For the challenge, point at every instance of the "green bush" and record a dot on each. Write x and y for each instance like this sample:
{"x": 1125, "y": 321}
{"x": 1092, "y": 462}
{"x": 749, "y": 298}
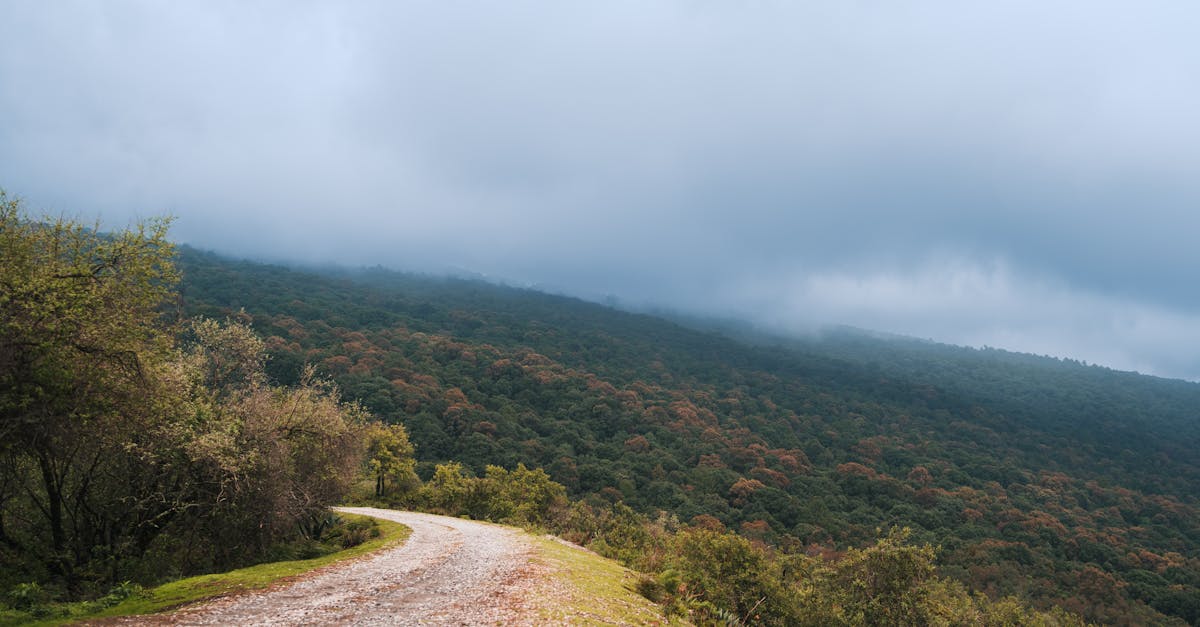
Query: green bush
{"x": 29, "y": 597}
{"x": 120, "y": 592}
{"x": 734, "y": 575}
{"x": 359, "y": 531}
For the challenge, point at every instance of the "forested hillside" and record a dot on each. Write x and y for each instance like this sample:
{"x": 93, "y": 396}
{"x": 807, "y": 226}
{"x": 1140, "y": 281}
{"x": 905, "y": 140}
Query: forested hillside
{"x": 1053, "y": 481}
{"x": 143, "y": 444}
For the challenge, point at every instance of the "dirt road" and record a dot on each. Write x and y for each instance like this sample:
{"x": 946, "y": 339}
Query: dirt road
{"x": 449, "y": 572}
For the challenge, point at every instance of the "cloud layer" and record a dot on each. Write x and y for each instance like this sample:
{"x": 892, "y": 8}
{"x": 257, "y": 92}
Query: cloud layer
{"x": 1016, "y": 174}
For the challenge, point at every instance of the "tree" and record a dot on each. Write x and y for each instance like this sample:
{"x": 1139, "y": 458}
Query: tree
{"x": 229, "y": 356}
{"x": 734, "y": 575}
{"x": 81, "y": 358}
{"x": 521, "y": 496}
{"x": 884, "y": 584}
{"x": 264, "y": 460}
{"x": 132, "y": 445}
{"x": 449, "y": 490}
{"x": 390, "y": 458}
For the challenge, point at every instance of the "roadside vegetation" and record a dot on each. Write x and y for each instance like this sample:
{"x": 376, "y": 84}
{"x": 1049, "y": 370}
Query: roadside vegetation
{"x": 348, "y": 536}
{"x": 702, "y": 573}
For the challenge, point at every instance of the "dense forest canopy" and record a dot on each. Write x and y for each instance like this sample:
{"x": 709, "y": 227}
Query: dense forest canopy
{"x": 1048, "y": 479}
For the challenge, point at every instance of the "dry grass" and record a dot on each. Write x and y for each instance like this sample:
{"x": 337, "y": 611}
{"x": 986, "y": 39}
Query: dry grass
{"x": 582, "y": 588}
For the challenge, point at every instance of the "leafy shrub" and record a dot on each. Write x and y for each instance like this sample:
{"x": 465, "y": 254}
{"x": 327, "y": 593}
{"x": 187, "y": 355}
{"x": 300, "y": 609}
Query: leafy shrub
{"x": 522, "y": 496}
{"x": 359, "y": 531}
{"x": 651, "y": 588}
{"x": 316, "y": 525}
{"x": 29, "y": 597}
{"x": 120, "y": 592}
{"x": 733, "y": 575}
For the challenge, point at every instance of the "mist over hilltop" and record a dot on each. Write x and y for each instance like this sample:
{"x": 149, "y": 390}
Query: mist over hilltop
{"x": 1016, "y": 175}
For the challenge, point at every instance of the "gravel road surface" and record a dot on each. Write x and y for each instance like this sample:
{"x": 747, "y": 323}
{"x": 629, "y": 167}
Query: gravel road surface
{"x": 449, "y": 572}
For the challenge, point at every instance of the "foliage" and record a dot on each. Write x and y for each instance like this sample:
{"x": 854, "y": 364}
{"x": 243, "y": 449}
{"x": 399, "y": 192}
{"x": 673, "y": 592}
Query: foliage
{"x": 135, "y": 445}
{"x": 711, "y": 576}
{"x": 520, "y": 497}
{"x": 27, "y": 596}
{"x": 84, "y": 376}
{"x": 390, "y": 459}
{"x": 359, "y": 531}
{"x": 886, "y": 584}
{"x": 271, "y": 460}
{"x": 732, "y": 574}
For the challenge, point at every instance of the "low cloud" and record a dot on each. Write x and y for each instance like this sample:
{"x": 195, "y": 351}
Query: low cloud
{"x": 1028, "y": 168}
{"x": 972, "y": 303}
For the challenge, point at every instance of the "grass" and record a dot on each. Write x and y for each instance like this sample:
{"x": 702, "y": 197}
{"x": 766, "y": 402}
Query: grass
{"x": 598, "y": 591}
{"x": 193, "y": 589}
{"x": 584, "y": 589}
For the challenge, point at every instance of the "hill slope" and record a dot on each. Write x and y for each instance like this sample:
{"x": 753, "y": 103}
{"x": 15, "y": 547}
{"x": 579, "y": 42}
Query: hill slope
{"x": 1058, "y": 482}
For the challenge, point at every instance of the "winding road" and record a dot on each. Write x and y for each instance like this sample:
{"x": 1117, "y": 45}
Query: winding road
{"x": 449, "y": 572}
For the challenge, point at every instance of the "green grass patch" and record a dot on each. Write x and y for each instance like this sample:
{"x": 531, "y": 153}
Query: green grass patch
{"x": 193, "y": 589}
{"x": 598, "y": 591}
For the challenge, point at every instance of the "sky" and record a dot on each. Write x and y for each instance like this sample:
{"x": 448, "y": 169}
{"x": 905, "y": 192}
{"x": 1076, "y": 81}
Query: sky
{"x": 1018, "y": 174}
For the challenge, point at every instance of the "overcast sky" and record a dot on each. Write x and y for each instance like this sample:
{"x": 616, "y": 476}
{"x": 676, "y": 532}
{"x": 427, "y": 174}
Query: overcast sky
{"x": 1020, "y": 174}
